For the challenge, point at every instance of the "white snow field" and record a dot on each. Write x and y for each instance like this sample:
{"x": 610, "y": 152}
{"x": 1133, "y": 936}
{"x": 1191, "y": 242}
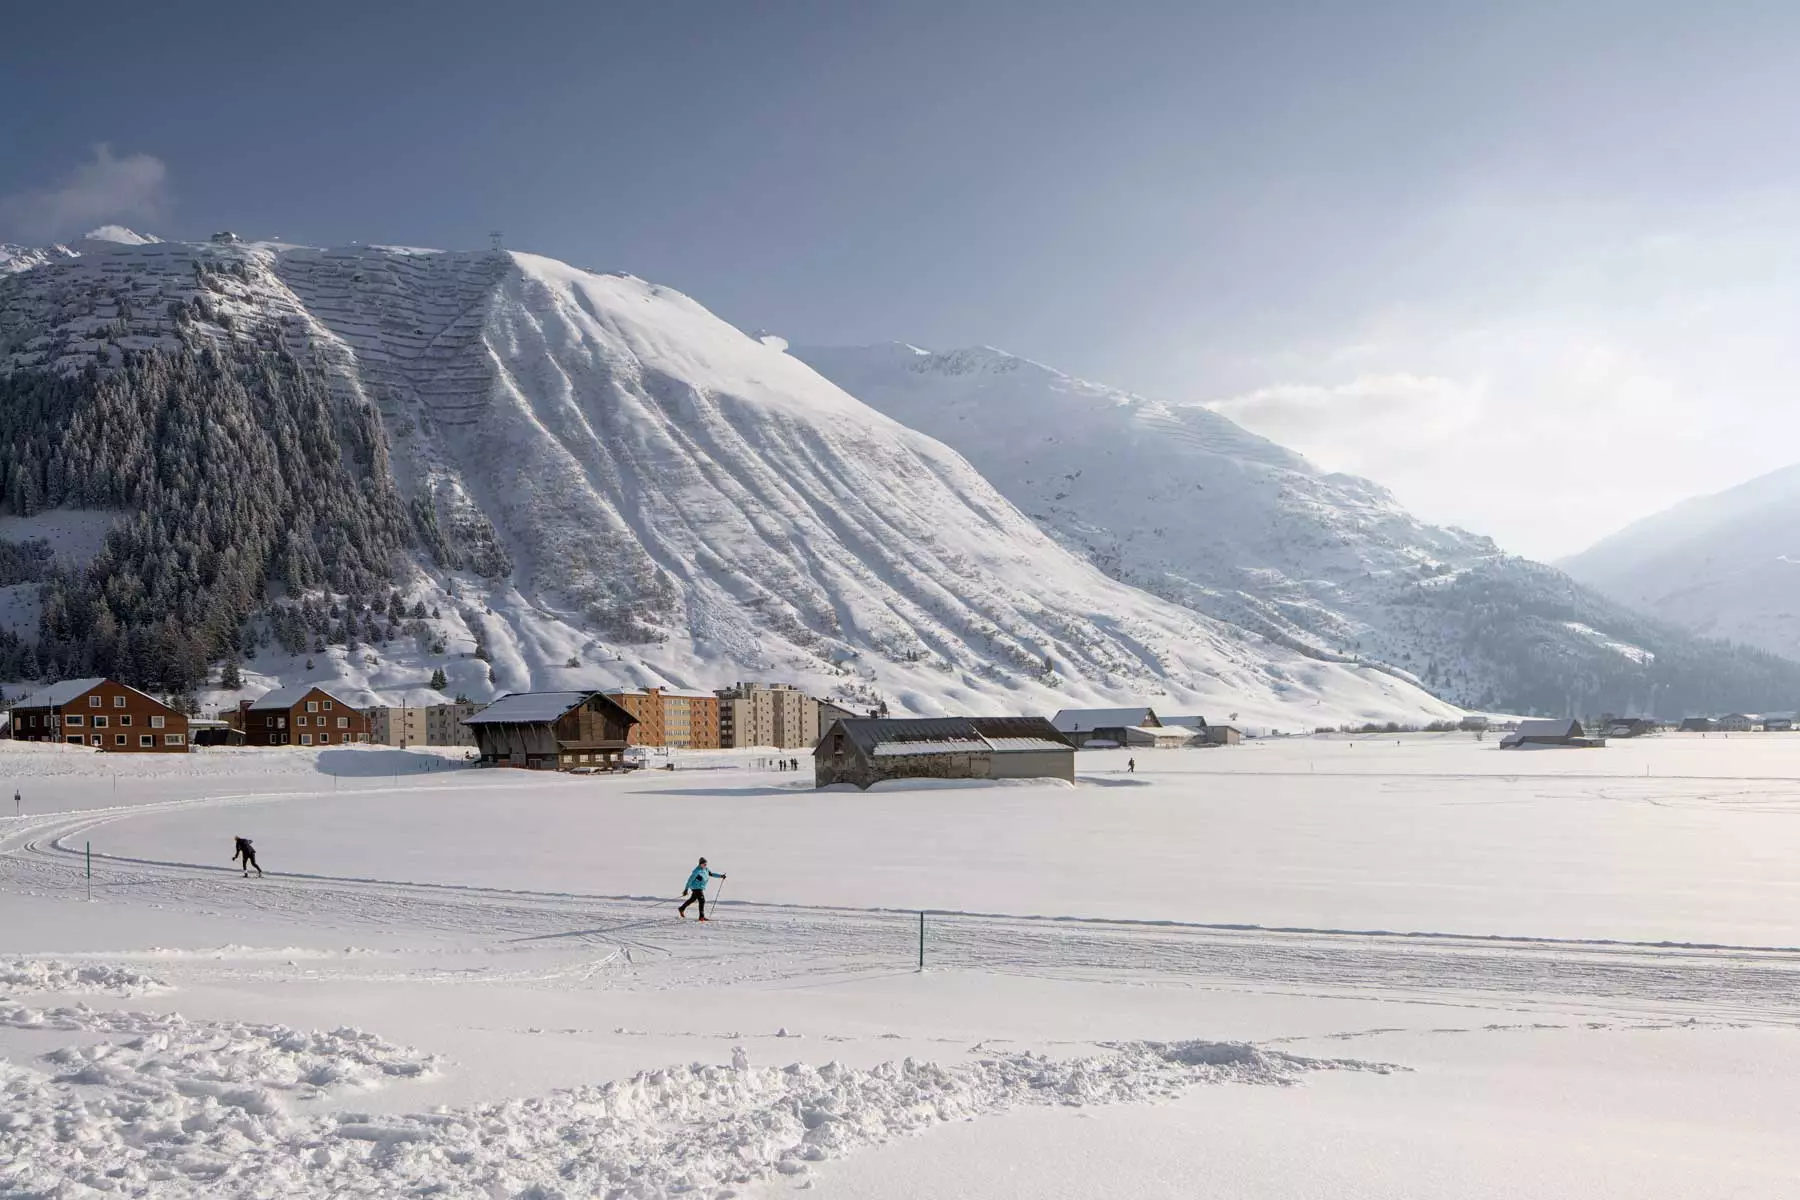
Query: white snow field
{"x": 1415, "y": 967}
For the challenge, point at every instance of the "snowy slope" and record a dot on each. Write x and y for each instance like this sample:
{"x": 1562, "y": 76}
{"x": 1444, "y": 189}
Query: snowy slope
{"x": 1179, "y": 500}
{"x": 1725, "y": 565}
{"x": 606, "y": 475}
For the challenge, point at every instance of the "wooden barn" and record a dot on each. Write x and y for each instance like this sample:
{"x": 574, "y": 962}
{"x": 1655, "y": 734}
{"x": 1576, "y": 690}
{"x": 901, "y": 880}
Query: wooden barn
{"x": 866, "y": 751}
{"x": 551, "y": 731}
{"x": 1107, "y": 727}
{"x": 1561, "y": 731}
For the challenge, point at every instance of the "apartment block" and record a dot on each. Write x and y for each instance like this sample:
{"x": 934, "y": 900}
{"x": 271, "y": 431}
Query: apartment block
{"x": 680, "y": 720}
{"x": 778, "y": 715}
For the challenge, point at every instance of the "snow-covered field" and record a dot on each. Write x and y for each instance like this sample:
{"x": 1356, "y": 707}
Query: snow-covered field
{"x": 1312, "y": 967}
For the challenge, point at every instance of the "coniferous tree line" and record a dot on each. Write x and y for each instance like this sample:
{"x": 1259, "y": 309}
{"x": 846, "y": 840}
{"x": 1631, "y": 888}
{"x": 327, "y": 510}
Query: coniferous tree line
{"x": 237, "y": 471}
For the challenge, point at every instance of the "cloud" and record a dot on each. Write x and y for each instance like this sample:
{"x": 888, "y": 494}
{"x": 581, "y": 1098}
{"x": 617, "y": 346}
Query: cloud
{"x": 1369, "y": 425}
{"x": 106, "y": 188}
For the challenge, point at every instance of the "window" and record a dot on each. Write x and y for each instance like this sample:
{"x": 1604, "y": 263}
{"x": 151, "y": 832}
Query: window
{"x": 312, "y": 706}
{"x": 120, "y": 739}
{"x": 324, "y": 738}
{"x": 300, "y": 720}
{"x": 362, "y": 737}
{"x": 73, "y": 720}
{"x": 306, "y": 739}
{"x": 93, "y": 702}
{"x": 98, "y": 740}
{"x": 156, "y": 722}
{"x": 118, "y": 702}
{"x": 343, "y": 722}
{"x": 174, "y": 739}
{"x": 328, "y": 706}
{"x": 74, "y": 739}
{"x": 147, "y": 740}
{"x": 100, "y": 721}
{"x": 124, "y": 718}
{"x": 269, "y": 721}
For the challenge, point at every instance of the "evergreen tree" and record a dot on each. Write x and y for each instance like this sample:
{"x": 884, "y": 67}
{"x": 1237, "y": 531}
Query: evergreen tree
{"x": 439, "y": 681}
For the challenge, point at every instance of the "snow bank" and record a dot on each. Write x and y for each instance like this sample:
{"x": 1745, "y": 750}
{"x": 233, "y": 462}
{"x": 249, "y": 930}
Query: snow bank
{"x": 194, "y": 1108}
{"x": 48, "y": 975}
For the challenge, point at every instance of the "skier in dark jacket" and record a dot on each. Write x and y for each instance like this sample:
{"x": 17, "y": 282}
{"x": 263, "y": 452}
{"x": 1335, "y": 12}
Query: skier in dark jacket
{"x": 244, "y": 850}
{"x": 696, "y": 889}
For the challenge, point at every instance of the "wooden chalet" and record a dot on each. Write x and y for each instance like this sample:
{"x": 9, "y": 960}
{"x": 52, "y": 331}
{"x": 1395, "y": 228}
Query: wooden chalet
{"x": 866, "y": 751}
{"x": 552, "y": 731}
{"x": 103, "y": 714}
{"x": 302, "y": 715}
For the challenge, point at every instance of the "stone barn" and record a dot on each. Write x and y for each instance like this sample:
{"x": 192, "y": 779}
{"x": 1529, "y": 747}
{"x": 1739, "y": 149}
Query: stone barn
{"x": 866, "y": 751}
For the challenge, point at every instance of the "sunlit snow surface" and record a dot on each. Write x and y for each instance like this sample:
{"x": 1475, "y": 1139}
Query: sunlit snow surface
{"x": 1440, "y": 968}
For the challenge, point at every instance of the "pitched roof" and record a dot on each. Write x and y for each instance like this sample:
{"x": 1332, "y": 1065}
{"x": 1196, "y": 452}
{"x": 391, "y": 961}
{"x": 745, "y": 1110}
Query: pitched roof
{"x": 1075, "y": 720}
{"x": 1552, "y": 727}
{"x": 287, "y": 697}
{"x": 57, "y": 694}
{"x": 888, "y": 737}
{"x": 1194, "y": 722}
{"x": 530, "y": 708}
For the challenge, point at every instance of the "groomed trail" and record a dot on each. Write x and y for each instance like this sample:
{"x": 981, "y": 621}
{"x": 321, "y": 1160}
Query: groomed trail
{"x": 636, "y": 942}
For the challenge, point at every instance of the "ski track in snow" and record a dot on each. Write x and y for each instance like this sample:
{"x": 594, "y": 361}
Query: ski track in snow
{"x": 158, "y": 1104}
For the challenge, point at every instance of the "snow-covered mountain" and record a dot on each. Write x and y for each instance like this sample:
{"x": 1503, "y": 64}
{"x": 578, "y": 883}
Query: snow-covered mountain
{"x": 1181, "y": 501}
{"x": 596, "y": 482}
{"x": 1725, "y": 565}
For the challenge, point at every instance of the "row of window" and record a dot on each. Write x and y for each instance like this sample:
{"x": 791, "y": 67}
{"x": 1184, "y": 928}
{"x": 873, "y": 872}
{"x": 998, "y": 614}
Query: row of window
{"x": 75, "y": 720}
{"x": 94, "y": 701}
{"x": 146, "y": 741}
{"x": 306, "y": 739}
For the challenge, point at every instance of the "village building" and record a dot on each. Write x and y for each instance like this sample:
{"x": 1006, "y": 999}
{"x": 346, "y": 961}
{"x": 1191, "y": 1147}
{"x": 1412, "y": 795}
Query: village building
{"x": 1222, "y": 735}
{"x": 213, "y": 732}
{"x": 396, "y": 725}
{"x": 778, "y": 715}
{"x": 1628, "y": 727}
{"x": 103, "y": 714}
{"x": 1104, "y": 728}
{"x": 679, "y": 720}
{"x": 1736, "y": 723}
{"x": 1697, "y": 725}
{"x": 867, "y": 750}
{"x": 1473, "y": 723}
{"x": 1162, "y": 737}
{"x": 444, "y": 723}
{"x": 1559, "y": 731}
{"x": 1782, "y": 722}
{"x": 301, "y": 715}
{"x": 552, "y": 731}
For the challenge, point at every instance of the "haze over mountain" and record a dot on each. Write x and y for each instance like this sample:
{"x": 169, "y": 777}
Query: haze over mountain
{"x": 1726, "y": 565}
{"x": 1179, "y": 500}
{"x": 358, "y": 464}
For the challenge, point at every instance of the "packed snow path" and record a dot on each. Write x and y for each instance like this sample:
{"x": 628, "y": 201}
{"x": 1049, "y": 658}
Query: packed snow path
{"x": 636, "y": 942}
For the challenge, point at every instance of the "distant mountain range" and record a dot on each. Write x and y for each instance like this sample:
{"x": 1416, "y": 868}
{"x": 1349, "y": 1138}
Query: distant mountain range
{"x": 363, "y": 464}
{"x": 1725, "y": 565}
{"x": 1180, "y": 501}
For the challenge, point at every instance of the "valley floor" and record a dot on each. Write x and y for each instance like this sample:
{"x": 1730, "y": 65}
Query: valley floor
{"x": 1332, "y": 967}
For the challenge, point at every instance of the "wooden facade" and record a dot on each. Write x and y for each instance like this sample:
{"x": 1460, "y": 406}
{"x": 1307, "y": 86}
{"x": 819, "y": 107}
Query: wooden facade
{"x": 867, "y": 751}
{"x": 102, "y": 714}
{"x": 303, "y": 715}
{"x": 552, "y": 731}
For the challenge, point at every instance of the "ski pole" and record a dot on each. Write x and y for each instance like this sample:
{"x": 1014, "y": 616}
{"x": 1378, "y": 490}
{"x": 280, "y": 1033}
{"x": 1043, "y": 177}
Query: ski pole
{"x": 720, "y": 898}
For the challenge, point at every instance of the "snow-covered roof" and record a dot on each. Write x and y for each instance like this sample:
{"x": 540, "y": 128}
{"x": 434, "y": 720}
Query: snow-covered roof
{"x": 1158, "y": 731}
{"x": 1075, "y": 720}
{"x": 287, "y": 697}
{"x": 532, "y": 707}
{"x": 892, "y": 737}
{"x": 1194, "y": 722}
{"x": 1548, "y": 727}
{"x": 57, "y": 694}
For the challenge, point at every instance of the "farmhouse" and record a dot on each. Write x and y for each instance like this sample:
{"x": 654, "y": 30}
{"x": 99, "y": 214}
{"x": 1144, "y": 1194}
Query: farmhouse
{"x": 1109, "y": 726}
{"x": 1737, "y": 723}
{"x": 1697, "y": 725}
{"x": 1561, "y": 731}
{"x": 867, "y": 750}
{"x": 101, "y": 713}
{"x": 551, "y": 731}
{"x": 302, "y": 715}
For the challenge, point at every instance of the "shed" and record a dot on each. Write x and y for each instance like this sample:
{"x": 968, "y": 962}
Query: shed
{"x": 1778, "y": 722}
{"x": 551, "y": 731}
{"x": 1080, "y": 726}
{"x": 867, "y": 750}
{"x": 1558, "y": 731}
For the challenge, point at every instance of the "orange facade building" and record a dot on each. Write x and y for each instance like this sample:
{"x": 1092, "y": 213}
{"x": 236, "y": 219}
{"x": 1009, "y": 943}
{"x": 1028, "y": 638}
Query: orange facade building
{"x": 678, "y": 720}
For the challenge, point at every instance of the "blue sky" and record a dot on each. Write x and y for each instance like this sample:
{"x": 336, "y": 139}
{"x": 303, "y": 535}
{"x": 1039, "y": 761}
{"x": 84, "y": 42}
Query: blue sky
{"x": 1497, "y": 256}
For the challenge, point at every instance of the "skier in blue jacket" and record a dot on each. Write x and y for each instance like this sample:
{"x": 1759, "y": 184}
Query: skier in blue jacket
{"x": 696, "y": 889}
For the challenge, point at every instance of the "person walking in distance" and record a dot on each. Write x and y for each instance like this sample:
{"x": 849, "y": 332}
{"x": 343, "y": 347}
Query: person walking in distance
{"x": 244, "y": 850}
{"x": 1131, "y": 765}
{"x": 696, "y": 889}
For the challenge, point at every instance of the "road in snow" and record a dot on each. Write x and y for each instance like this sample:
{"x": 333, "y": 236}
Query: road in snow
{"x": 448, "y": 998}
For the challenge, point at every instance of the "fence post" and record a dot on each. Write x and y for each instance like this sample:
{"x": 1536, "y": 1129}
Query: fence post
{"x": 90, "y": 872}
{"x": 921, "y": 939}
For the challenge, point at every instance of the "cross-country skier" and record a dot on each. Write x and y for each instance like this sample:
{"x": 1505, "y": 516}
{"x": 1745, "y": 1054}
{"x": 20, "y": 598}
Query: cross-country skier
{"x": 244, "y": 850}
{"x": 696, "y": 889}
{"x": 1131, "y": 765}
